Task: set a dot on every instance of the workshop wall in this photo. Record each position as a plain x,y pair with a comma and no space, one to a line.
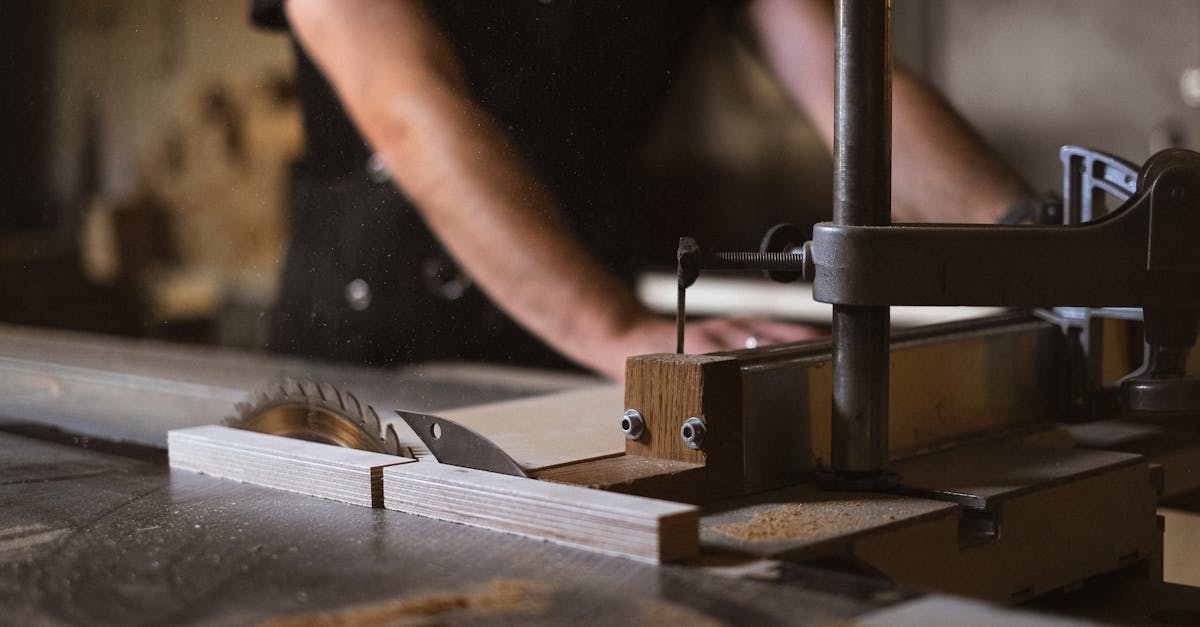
732,155
1032,75
173,127
170,127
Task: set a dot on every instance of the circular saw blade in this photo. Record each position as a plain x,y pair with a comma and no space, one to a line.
317,412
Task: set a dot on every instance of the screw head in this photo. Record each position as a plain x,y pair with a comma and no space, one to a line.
692,431
632,424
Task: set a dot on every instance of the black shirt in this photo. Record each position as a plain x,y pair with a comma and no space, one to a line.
577,85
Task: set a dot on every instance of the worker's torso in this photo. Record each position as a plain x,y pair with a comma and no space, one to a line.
576,85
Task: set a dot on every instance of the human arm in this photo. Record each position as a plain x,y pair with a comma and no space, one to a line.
941,169
402,86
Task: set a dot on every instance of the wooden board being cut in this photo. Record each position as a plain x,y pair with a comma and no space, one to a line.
630,526
332,472
714,295
550,430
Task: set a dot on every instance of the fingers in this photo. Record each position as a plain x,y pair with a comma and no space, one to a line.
774,332
737,333
655,335
717,337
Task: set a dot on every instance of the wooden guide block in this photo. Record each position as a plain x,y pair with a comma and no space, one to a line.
668,389
630,526
332,472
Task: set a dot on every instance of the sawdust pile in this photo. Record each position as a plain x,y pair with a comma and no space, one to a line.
498,596
792,521
655,613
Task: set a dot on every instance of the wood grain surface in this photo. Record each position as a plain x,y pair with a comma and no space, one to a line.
631,526
332,472
551,430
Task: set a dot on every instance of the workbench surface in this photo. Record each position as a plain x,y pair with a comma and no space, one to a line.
102,533
91,536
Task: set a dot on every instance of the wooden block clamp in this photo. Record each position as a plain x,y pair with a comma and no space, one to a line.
691,408
766,411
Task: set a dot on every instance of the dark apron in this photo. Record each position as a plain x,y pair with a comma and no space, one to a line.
576,85
365,280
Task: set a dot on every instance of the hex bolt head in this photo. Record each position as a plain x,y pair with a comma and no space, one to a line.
632,424
693,431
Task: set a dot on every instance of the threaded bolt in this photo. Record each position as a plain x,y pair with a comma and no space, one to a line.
693,431
798,259
632,424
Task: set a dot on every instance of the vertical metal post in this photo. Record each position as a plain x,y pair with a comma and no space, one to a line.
862,196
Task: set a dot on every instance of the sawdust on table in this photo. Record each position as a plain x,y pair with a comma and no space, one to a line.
799,521
497,596
654,613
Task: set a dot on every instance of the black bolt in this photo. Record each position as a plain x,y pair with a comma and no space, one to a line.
688,256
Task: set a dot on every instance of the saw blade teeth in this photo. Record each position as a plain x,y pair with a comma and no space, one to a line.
392,442
372,420
309,388
290,386
330,395
263,397
307,409
352,405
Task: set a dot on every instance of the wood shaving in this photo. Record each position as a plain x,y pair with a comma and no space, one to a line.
497,596
797,521
652,612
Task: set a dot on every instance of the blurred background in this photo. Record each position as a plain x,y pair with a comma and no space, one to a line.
148,144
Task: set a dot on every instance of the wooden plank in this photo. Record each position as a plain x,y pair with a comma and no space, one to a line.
332,472
1057,522
630,526
1181,537
644,476
714,295
982,476
551,430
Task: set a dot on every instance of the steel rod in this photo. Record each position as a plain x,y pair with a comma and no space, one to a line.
862,196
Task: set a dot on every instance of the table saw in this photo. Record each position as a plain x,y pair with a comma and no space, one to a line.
98,530
1020,458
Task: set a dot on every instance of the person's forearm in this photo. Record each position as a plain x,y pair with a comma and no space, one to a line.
941,169
401,86
499,221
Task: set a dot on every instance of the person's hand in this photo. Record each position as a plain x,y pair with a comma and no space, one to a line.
723,334
657,335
